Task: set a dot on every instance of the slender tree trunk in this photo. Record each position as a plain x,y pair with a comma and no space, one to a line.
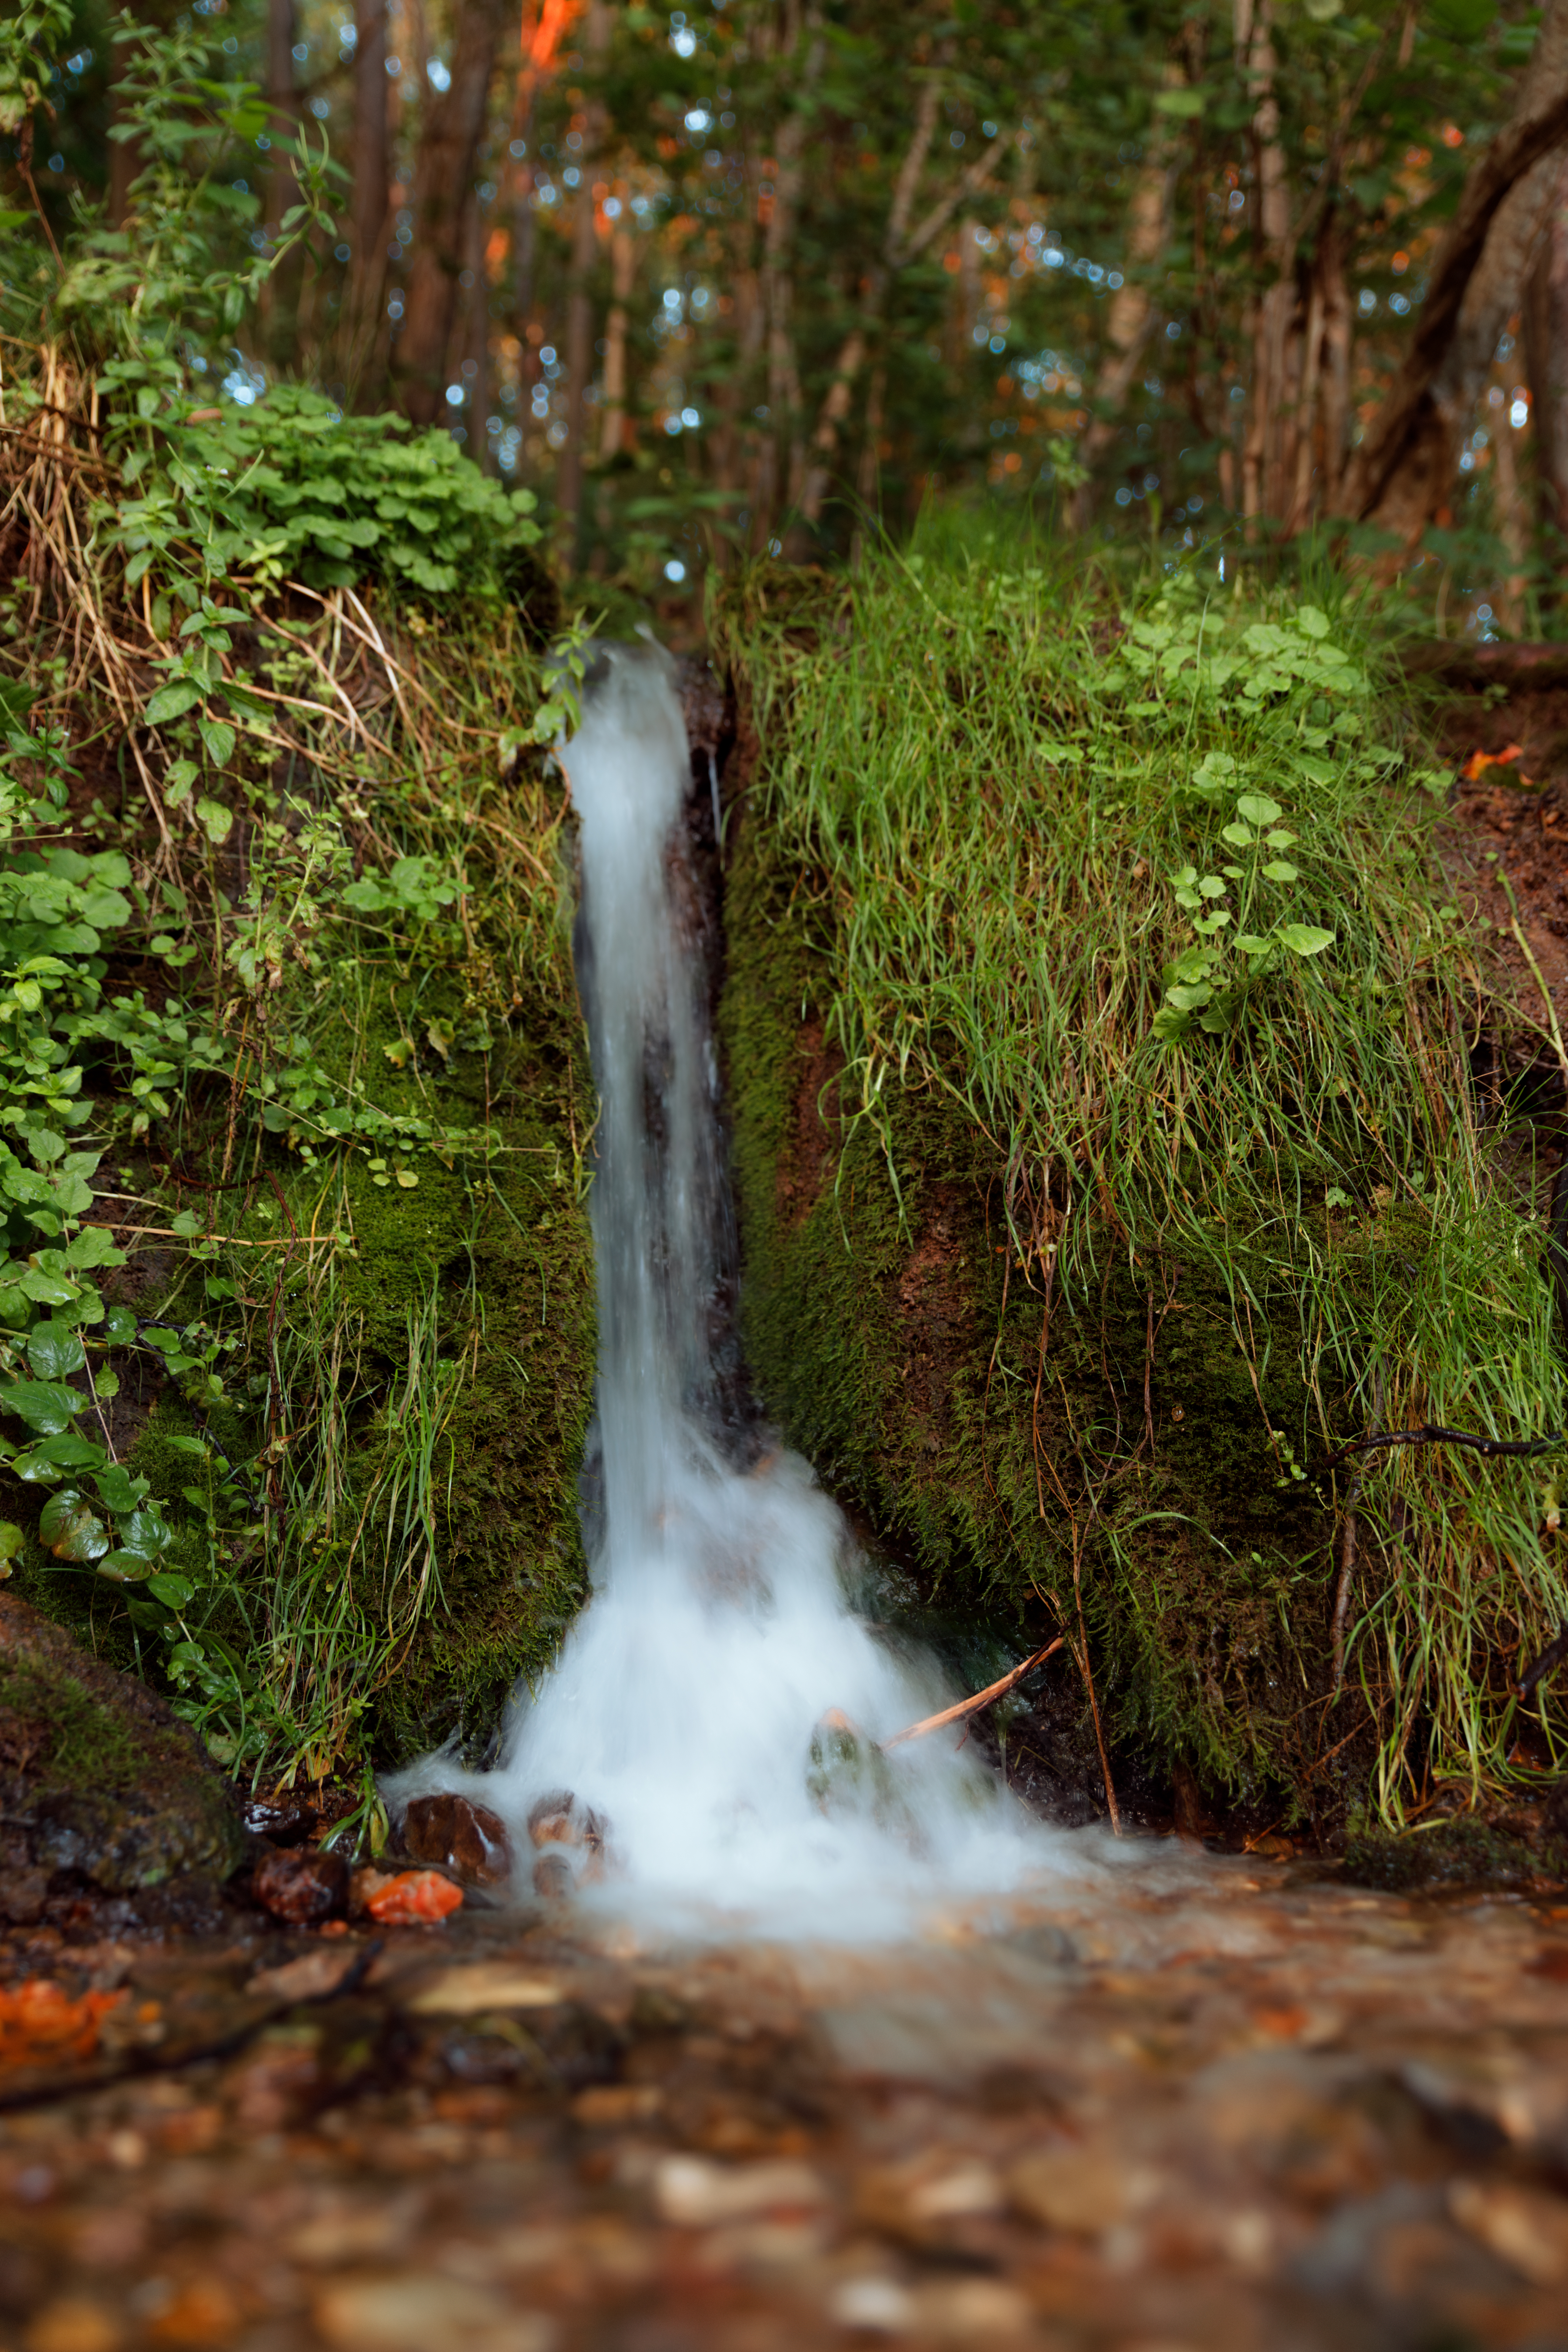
474,361
900,246
1401,432
776,283
368,202
1546,359
1339,329
282,188
579,351
617,438
1130,318
443,175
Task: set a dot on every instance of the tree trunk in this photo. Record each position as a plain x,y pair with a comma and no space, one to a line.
615,437
474,356
1420,488
1339,332
443,177
1403,431
1546,357
579,346
282,188
368,204
1512,522
1130,318
776,285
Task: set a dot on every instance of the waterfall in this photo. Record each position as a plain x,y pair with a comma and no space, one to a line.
707,1742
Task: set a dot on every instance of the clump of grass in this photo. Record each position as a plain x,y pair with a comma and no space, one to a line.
1146,888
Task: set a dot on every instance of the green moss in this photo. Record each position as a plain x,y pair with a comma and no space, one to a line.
1464,1851
79,1743
902,1355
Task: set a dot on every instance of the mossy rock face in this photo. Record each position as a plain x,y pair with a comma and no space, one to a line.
903,1347
97,1775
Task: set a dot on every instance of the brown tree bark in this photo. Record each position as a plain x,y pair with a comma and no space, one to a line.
1421,485
579,341
282,188
777,454
1546,357
442,177
368,205
616,436
1401,433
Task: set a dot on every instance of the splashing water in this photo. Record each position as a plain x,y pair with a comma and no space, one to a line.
707,1742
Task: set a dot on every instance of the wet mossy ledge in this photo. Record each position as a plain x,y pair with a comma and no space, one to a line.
1080,1235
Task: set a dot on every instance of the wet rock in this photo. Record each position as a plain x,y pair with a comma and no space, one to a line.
1464,1851
458,1835
23,1894
98,1775
302,1887
405,1898
570,1836
278,1824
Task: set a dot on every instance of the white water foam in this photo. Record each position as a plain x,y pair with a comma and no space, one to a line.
717,1702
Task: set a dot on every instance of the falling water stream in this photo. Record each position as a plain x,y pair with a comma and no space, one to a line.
707,1741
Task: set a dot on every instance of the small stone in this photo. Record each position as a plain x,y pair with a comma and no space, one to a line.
561,1819
487,1985
302,1887
410,1898
278,1824
1525,2228
418,2312
23,1894
881,2306
971,2311
695,2194
313,1977
613,2104
463,1837
74,2324
1077,2190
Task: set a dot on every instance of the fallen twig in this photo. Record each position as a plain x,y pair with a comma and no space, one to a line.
970,1705
1431,1432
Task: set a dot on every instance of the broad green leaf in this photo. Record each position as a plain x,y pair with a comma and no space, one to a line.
11,1542
172,1590
171,702
1259,809
72,1529
1211,887
219,738
117,1491
177,783
54,1350
1280,869
48,1406
1305,938
216,821
47,1289
1239,836
124,1567
1309,619
147,1535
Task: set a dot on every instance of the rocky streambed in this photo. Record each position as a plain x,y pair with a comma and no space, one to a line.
1185,2101
1174,2099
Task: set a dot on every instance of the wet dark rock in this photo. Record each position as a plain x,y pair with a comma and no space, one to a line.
302,1887
98,1776
455,1834
278,1824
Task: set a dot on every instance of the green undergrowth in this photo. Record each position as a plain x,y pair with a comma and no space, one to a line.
1097,1030
298,1392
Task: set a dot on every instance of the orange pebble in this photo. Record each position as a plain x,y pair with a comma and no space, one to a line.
413,1895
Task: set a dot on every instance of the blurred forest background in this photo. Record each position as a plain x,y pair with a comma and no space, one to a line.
714,282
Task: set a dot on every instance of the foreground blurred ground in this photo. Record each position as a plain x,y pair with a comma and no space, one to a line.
1191,2102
